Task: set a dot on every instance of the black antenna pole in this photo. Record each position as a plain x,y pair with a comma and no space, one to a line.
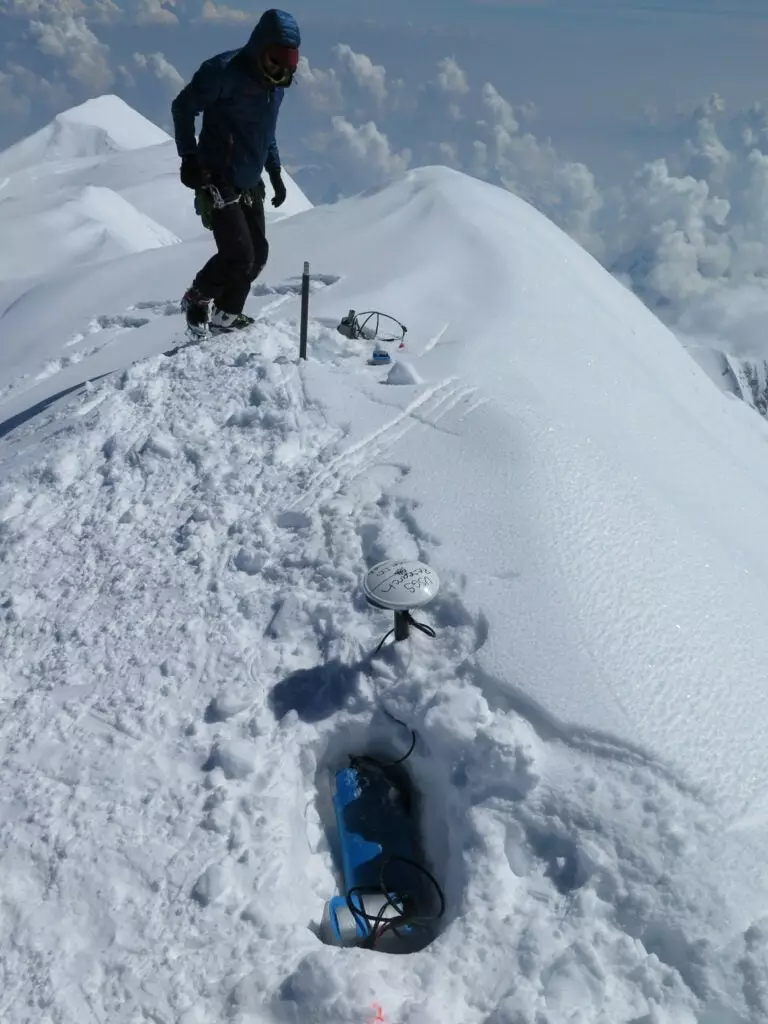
304,312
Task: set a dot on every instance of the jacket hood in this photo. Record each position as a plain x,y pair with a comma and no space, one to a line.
275,28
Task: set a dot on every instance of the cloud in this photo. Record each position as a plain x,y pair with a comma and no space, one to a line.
689,232
14,104
158,64
451,78
155,12
102,10
323,88
370,149
671,235
93,10
369,76
221,12
21,88
448,154
500,110
125,78
38,8
71,40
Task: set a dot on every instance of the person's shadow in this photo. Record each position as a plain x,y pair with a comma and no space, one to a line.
317,693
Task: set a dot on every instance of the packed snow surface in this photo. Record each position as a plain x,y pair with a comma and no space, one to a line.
187,654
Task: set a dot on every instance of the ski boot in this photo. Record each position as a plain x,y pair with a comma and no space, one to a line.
197,310
224,323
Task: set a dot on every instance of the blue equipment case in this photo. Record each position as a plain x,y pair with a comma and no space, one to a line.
379,848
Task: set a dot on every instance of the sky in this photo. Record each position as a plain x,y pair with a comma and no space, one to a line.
638,127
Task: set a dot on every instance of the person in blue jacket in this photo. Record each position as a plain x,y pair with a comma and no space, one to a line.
239,95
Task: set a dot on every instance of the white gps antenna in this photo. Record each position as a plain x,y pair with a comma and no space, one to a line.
397,585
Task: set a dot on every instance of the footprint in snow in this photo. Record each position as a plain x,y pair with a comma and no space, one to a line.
168,307
106,323
567,866
292,285
172,307
223,707
130,320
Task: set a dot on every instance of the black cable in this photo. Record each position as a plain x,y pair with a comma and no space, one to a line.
359,326
408,752
427,874
358,913
402,920
356,759
422,626
369,919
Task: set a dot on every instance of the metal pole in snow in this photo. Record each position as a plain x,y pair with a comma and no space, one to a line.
304,312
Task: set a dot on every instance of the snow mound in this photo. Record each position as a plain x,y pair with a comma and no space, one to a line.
99,215
94,223
402,373
96,128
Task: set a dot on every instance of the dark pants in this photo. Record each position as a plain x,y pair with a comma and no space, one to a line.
242,255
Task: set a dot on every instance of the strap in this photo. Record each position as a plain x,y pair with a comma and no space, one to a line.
219,202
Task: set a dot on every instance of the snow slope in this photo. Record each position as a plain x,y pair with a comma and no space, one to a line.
187,653
100,181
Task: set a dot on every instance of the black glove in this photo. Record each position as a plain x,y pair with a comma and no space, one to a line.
192,174
278,185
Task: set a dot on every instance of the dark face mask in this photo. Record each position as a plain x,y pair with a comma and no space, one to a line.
275,74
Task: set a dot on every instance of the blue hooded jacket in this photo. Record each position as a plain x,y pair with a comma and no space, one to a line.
239,108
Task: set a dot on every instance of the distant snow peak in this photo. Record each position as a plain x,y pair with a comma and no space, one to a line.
124,127
98,127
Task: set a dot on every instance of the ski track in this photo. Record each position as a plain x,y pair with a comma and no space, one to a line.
202,539
428,408
436,339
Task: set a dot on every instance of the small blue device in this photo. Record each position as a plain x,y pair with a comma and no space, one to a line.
380,357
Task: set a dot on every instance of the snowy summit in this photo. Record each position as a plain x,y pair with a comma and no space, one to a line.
187,654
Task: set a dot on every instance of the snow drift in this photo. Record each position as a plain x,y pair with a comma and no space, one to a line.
187,654
77,226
